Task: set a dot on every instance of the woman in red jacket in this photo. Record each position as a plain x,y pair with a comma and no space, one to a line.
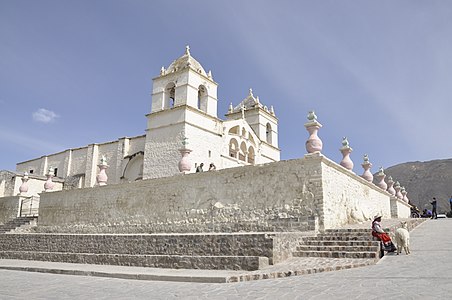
378,232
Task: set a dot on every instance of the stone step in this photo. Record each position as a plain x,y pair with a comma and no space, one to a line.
337,254
248,263
349,230
197,244
338,238
341,243
339,248
367,234
15,223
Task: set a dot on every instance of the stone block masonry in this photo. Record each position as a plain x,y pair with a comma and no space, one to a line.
239,251
312,193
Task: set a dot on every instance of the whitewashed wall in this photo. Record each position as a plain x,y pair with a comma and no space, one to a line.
348,198
275,196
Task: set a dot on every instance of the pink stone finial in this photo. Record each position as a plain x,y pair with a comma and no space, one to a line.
404,192
367,175
397,188
49,184
391,189
346,161
102,177
381,179
314,143
23,189
184,163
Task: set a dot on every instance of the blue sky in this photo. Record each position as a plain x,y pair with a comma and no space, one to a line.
379,72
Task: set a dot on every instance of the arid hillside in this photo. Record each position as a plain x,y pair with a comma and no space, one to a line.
425,180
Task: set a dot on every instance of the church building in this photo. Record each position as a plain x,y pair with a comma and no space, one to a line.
183,116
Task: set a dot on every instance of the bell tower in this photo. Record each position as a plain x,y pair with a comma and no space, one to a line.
184,105
185,83
262,120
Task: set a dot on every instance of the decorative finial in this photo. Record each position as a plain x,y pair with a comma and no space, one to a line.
209,74
346,150
49,184
162,71
381,179
367,175
345,142
103,161
187,50
251,92
272,110
312,116
231,109
185,141
257,100
51,172
314,143
366,158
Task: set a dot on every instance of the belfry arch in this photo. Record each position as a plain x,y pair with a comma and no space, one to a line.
170,95
202,98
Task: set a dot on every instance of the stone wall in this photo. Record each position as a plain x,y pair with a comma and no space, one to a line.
290,195
399,208
9,208
348,198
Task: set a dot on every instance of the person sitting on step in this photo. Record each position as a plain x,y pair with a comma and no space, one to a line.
378,232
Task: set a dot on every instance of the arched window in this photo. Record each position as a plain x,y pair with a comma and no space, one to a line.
134,168
269,133
234,130
242,153
170,95
202,98
251,155
233,148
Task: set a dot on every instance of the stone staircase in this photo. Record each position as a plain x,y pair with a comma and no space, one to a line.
340,243
16,223
222,251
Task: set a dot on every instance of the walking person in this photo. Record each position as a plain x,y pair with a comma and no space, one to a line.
434,213
450,202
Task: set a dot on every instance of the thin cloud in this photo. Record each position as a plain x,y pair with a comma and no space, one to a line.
44,116
27,141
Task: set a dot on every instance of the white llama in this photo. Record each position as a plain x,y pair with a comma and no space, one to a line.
402,238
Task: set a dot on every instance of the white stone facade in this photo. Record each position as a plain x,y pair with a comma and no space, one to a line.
184,106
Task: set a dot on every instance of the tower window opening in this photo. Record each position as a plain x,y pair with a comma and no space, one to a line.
268,133
170,96
202,98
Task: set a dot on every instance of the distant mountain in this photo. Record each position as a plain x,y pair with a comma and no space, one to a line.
425,180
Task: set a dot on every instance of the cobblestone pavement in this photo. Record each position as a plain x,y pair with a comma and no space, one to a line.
425,274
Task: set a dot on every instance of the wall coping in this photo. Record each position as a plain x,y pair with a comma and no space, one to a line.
336,166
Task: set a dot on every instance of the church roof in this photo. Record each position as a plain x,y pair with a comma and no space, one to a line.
183,62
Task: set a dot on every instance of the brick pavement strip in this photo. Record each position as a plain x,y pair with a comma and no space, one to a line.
425,274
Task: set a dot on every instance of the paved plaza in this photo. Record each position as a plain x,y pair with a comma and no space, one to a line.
425,274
